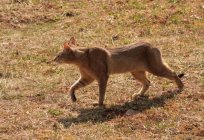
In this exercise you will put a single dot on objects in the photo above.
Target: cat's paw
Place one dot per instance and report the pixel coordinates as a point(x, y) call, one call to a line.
point(96, 104)
point(73, 98)
point(137, 96)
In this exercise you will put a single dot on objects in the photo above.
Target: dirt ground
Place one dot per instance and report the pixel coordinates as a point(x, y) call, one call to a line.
point(34, 103)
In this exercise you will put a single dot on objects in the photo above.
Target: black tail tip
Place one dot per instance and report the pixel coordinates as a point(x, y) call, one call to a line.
point(181, 75)
point(73, 98)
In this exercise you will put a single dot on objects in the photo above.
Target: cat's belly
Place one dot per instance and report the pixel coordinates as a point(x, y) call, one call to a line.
point(127, 62)
point(123, 67)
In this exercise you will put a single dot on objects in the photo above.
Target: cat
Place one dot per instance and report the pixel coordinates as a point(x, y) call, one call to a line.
point(98, 63)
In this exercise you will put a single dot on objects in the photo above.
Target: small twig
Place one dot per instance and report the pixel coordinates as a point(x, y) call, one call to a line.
point(112, 41)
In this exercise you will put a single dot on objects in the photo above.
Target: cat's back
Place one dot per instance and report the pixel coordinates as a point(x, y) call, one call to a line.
point(95, 52)
point(130, 49)
point(124, 50)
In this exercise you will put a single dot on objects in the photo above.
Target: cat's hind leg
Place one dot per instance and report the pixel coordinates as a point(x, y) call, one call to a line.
point(169, 74)
point(159, 68)
point(142, 78)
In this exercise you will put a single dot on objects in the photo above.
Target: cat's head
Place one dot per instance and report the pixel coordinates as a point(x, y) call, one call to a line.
point(67, 55)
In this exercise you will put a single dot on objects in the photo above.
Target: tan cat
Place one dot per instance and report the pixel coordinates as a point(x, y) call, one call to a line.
point(99, 63)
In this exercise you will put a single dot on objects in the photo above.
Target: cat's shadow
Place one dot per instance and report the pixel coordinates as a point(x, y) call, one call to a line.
point(98, 115)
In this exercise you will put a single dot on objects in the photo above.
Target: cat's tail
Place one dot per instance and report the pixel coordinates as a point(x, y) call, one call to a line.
point(181, 75)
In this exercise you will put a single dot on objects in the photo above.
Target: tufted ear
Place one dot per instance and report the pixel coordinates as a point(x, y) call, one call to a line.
point(66, 45)
point(72, 41)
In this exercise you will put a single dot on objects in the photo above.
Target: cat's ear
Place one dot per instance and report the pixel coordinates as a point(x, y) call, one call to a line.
point(66, 45)
point(72, 41)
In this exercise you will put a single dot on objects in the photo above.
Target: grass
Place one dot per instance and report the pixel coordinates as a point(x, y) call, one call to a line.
point(33, 94)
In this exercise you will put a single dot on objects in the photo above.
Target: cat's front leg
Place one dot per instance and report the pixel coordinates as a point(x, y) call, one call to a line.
point(81, 82)
point(102, 89)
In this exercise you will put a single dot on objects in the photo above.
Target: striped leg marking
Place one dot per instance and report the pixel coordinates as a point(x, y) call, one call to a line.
point(82, 82)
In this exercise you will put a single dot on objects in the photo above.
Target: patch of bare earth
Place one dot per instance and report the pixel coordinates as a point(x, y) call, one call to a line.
point(33, 94)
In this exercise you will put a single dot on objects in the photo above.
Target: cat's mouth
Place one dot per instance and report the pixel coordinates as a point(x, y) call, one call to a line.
point(55, 60)
point(52, 62)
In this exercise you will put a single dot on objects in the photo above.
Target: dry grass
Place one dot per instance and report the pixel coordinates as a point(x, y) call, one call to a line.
point(33, 94)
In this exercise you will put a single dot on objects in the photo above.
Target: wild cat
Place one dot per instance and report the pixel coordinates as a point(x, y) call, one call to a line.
point(98, 63)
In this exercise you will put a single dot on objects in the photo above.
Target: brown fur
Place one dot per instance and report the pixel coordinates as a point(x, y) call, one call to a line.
point(99, 63)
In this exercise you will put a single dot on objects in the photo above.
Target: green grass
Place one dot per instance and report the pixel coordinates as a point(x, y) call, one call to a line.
point(34, 95)
point(54, 112)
